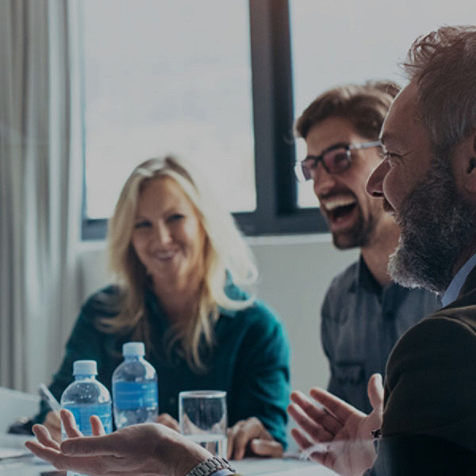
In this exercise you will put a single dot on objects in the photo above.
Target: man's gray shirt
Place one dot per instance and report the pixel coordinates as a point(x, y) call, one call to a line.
point(361, 322)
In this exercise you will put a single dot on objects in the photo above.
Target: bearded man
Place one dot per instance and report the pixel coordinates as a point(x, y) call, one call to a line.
point(428, 182)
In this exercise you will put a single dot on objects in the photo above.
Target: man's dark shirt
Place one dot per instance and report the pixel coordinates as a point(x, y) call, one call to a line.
point(361, 322)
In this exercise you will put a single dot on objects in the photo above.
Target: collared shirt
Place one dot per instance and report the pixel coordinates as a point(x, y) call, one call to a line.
point(250, 359)
point(361, 322)
point(457, 282)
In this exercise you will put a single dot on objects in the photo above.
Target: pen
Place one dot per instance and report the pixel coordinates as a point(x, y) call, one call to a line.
point(48, 397)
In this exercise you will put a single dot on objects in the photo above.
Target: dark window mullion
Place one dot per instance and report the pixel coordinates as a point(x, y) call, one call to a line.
point(264, 115)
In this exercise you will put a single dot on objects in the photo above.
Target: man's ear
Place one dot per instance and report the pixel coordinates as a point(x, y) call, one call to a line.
point(469, 154)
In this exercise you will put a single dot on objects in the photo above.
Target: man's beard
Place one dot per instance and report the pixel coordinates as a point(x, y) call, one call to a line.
point(359, 235)
point(436, 226)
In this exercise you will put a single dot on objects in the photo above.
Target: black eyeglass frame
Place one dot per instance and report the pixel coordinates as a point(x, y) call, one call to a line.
point(304, 173)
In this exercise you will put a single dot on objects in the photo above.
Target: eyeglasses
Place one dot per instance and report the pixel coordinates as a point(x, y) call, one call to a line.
point(335, 160)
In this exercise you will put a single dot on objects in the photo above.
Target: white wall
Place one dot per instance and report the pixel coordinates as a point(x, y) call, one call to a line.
point(294, 274)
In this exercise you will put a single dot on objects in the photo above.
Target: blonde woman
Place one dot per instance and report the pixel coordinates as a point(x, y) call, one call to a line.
point(181, 266)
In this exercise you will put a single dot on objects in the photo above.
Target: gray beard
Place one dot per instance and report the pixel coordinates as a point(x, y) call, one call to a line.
point(436, 226)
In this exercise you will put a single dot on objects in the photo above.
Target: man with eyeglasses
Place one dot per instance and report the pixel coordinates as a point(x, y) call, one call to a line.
point(363, 313)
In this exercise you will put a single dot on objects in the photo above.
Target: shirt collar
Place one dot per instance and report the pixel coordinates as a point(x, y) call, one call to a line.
point(457, 282)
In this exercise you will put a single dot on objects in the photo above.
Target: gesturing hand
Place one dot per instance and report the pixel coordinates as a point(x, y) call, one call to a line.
point(135, 450)
point(341, 434)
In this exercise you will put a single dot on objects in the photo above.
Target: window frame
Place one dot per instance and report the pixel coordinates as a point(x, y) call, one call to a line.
point(277, 211)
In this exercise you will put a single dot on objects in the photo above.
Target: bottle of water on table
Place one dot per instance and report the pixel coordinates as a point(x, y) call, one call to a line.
point(134, 388)
point(86, 397)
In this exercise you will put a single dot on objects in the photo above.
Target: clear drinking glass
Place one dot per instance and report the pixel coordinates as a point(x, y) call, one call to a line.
point(203, 419)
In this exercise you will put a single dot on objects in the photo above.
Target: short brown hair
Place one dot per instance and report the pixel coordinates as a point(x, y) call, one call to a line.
point(443, 63)
point(364, 105)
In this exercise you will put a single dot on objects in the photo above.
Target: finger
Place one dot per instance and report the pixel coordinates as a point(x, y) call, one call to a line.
point(97, 426)
point(337, 407)
point(229, 435)
point(304, 443)
point(53, 420)
point(375, 392)
point(53, 423)
point(269, 448)
point(54, 431)
point(69, 424)
point(314, 430)
point(320, 415)
point(43, 436)
point(169, 421)
point(251, 428)
point(43, 452)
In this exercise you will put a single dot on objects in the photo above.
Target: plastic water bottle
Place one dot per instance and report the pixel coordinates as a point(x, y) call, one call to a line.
point(86, 397)
point(134, 388)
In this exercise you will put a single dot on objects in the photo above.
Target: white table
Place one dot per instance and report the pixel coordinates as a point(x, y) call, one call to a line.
point(280, 467)
point(247, 467)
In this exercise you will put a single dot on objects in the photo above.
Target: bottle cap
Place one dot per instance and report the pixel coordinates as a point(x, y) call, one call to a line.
point(85, 367)
point(136, 349)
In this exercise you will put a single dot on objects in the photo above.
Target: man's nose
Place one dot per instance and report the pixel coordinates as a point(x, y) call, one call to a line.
point(323, 181)
point(374, 185)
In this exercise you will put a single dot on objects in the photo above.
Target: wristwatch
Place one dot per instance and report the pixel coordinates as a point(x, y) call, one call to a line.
point(209, 466)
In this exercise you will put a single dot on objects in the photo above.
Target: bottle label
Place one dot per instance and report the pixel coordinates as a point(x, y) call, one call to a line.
point(131, 395)
point(82, 413)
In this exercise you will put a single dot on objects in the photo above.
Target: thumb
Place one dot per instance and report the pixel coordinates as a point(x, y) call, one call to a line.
point(375, 393)
point(269, 448)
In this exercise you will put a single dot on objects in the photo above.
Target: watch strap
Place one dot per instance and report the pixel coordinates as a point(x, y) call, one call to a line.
point(210, 466)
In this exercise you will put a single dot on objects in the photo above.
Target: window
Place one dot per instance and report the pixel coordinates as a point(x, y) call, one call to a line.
point(220, 82)
point(208, 80)
point(166, 77)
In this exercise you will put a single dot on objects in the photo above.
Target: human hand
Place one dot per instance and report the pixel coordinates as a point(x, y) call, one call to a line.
point(250, 434)
point(169, 421)
point(53, 424)
point(343, 433)
point(135, 450)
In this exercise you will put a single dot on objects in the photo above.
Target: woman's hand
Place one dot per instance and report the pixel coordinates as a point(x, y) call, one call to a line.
point(143, 449)
point(53, 424)
point(251, 435)
point(168, 421)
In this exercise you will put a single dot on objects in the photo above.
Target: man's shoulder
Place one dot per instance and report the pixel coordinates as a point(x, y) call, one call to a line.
point(440, 324)
point(346, 279)
point(431, 380)
point(462, 311)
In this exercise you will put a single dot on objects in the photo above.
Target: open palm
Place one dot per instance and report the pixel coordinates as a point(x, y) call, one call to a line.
point(337, 435)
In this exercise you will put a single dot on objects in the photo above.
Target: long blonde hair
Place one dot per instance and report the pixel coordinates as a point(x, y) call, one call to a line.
point(226, 257)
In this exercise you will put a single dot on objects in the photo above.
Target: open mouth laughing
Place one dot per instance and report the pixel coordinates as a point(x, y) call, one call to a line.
point(339, 210)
